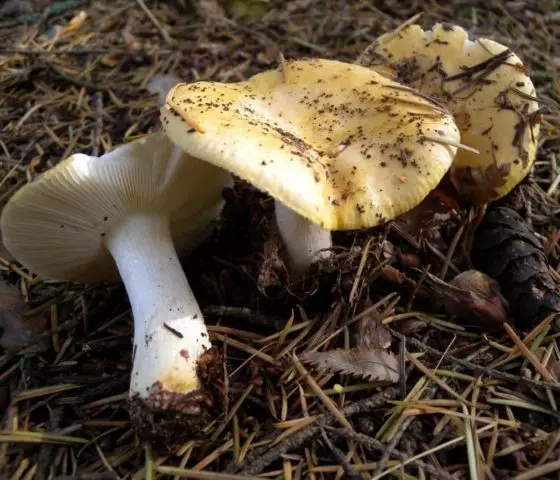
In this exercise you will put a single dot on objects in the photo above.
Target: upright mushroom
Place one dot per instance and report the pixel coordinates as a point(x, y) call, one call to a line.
point(337, 145)
point(484, 85)
point(90, 219)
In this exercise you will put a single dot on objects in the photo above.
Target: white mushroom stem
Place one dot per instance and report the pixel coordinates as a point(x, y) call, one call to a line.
point(304, 240)
point(169, 330)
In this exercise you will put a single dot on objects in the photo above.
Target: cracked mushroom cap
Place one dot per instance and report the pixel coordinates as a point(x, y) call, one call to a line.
point(484, 85)
point(56, 225)
point(338, 143)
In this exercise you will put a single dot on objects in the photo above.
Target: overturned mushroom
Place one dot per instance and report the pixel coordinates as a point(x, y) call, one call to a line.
point(129, 212)
point(337, 145)
point(484, 85)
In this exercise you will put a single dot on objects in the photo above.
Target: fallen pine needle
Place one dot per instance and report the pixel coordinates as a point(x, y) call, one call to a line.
point(38, 437)
point(319, 392)
point(197, 475)
point(530, 356)
point(426, 371)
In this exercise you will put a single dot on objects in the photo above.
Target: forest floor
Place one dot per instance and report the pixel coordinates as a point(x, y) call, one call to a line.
point(473, 401)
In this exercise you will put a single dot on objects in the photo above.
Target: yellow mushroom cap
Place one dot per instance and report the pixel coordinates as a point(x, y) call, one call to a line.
point(337, 143)
point(487, 89)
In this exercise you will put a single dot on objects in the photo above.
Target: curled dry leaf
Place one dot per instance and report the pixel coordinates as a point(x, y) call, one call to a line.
point(373, 365)
point(16, 330)
point(472, 296)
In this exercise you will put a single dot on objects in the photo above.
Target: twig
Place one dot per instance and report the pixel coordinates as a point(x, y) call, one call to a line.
point(46, 451)
point(491, 372)
point(389, 449)
point(451, 251)
point(98, 127)
point(74, 51)
point(90, 476)
point(489, 64)
point(76, 81)
point(246, 314)
point(429, 393)
point(402, 367)
point(259, 459)
point(155, 21)
point(376, 446)
point(349, 470)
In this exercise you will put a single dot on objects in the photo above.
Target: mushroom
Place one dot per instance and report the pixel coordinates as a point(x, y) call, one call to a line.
point(484, 85)
point(90, 219)
point(337, 145)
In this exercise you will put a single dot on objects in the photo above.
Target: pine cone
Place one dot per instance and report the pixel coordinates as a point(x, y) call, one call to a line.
point(506, 249)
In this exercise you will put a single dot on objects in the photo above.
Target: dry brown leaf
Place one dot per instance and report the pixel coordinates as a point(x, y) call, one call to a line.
point(436, 209)
point(394, 275)
point(472, 296)
point(373, 365)
point(17, 331)
point(480, 184)
point(368, 332)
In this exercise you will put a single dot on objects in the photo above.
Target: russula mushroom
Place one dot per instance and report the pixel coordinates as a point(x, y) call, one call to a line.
point(484, 85)
point(129, 213)
point(338, 146)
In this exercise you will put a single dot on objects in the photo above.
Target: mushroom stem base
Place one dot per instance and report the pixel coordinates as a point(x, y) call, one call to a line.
point(169, 331)
point(304, 240)
point(167, 429)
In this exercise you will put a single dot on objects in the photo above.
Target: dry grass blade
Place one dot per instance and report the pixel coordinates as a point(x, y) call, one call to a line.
point(38, 437)
point(379, 447)
point(43, 391)
point(500, 375)
point(530, 356)
point(426, 371)
point(194, 474)
point(261, 459)
point(429, 452)
point(471, 446)
point(320, 393)
point(539, 472)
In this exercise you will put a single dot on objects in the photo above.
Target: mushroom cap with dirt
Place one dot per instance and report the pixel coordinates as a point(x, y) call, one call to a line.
point(486, 87)
point(338, 146)
point(128, 213)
